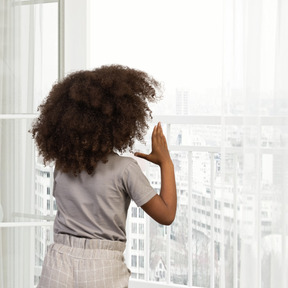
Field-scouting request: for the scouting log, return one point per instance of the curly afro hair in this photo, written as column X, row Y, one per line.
column 89, row 114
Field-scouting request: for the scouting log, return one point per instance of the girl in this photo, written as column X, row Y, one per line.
column 87, row 118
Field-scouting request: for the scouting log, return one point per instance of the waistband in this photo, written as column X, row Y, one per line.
column 88, row 248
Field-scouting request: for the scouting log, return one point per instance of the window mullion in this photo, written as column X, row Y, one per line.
column 212, row 251
column 235, row 217
column 61, row 39
column 25, row 224
column 190, row 254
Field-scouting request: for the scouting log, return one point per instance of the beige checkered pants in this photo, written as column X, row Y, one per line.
column 73, row 262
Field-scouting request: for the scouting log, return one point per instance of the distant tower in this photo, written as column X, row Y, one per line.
column 182, row 102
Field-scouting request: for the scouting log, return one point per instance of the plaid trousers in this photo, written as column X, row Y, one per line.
column 73, row 262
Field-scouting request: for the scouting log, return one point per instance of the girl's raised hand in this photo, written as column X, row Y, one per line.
column 162, row 207
column 160, row 153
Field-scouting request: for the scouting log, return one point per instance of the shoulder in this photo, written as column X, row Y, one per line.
column 126, row 166
column 124, row 161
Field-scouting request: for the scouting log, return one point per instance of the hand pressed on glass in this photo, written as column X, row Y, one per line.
column 159, row 153
column 162, row 208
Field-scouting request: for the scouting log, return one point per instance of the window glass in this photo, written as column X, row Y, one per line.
column 134, row 261
column 141, row 244
column 134, row 212
column 141, row 261
column 141, row 213
column 134, row 228
column 141, row 228
column 134, row 244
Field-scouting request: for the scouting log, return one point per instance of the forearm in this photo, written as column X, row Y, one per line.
column 162, row 208
column 168, row 189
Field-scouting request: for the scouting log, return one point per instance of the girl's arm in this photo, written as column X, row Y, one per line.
column 162, row 208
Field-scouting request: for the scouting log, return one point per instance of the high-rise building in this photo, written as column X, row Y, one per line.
column 45, row 209
column 182, row 102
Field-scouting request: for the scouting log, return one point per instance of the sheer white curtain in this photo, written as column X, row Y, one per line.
column 17, row 89
column 21, row 87
column 231, row 57
column 255, row 88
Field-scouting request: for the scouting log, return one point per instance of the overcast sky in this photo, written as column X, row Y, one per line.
column 178, row 42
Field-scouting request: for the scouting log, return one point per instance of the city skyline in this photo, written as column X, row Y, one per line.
column 150, row 260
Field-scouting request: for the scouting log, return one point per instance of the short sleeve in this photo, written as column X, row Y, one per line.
column 136, row 184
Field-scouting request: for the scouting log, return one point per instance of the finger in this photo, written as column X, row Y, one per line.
column 158, row 130
column 161, row 134
column 155, row 135
column 154, row 132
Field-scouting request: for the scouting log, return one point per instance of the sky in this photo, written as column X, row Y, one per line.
column 178, row 42
column 205, row 46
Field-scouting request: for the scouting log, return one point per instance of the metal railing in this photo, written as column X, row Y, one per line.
column 212, row 150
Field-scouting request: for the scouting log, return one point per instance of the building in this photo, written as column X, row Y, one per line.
column 45, row 209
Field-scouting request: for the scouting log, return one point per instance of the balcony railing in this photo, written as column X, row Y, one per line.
column 215, row 228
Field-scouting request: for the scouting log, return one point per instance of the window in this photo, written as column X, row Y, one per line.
column 141, row 244
column 141, row 213
column 224, row 113
column 141, row 276
column 134, row 244
column 134, row 227
column 141, row 261
column 134, row 212
column 141, row 228
column 134, row 261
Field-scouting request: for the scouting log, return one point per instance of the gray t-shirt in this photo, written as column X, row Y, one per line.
column 95, row 206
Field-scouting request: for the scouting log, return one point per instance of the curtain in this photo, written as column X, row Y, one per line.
column 24, row 35
column 255, row 89
column 16, row 86
column 224, row 59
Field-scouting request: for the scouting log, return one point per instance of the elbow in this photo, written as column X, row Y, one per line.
column 168, row 220
column 168, row 223
column 169, row 216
